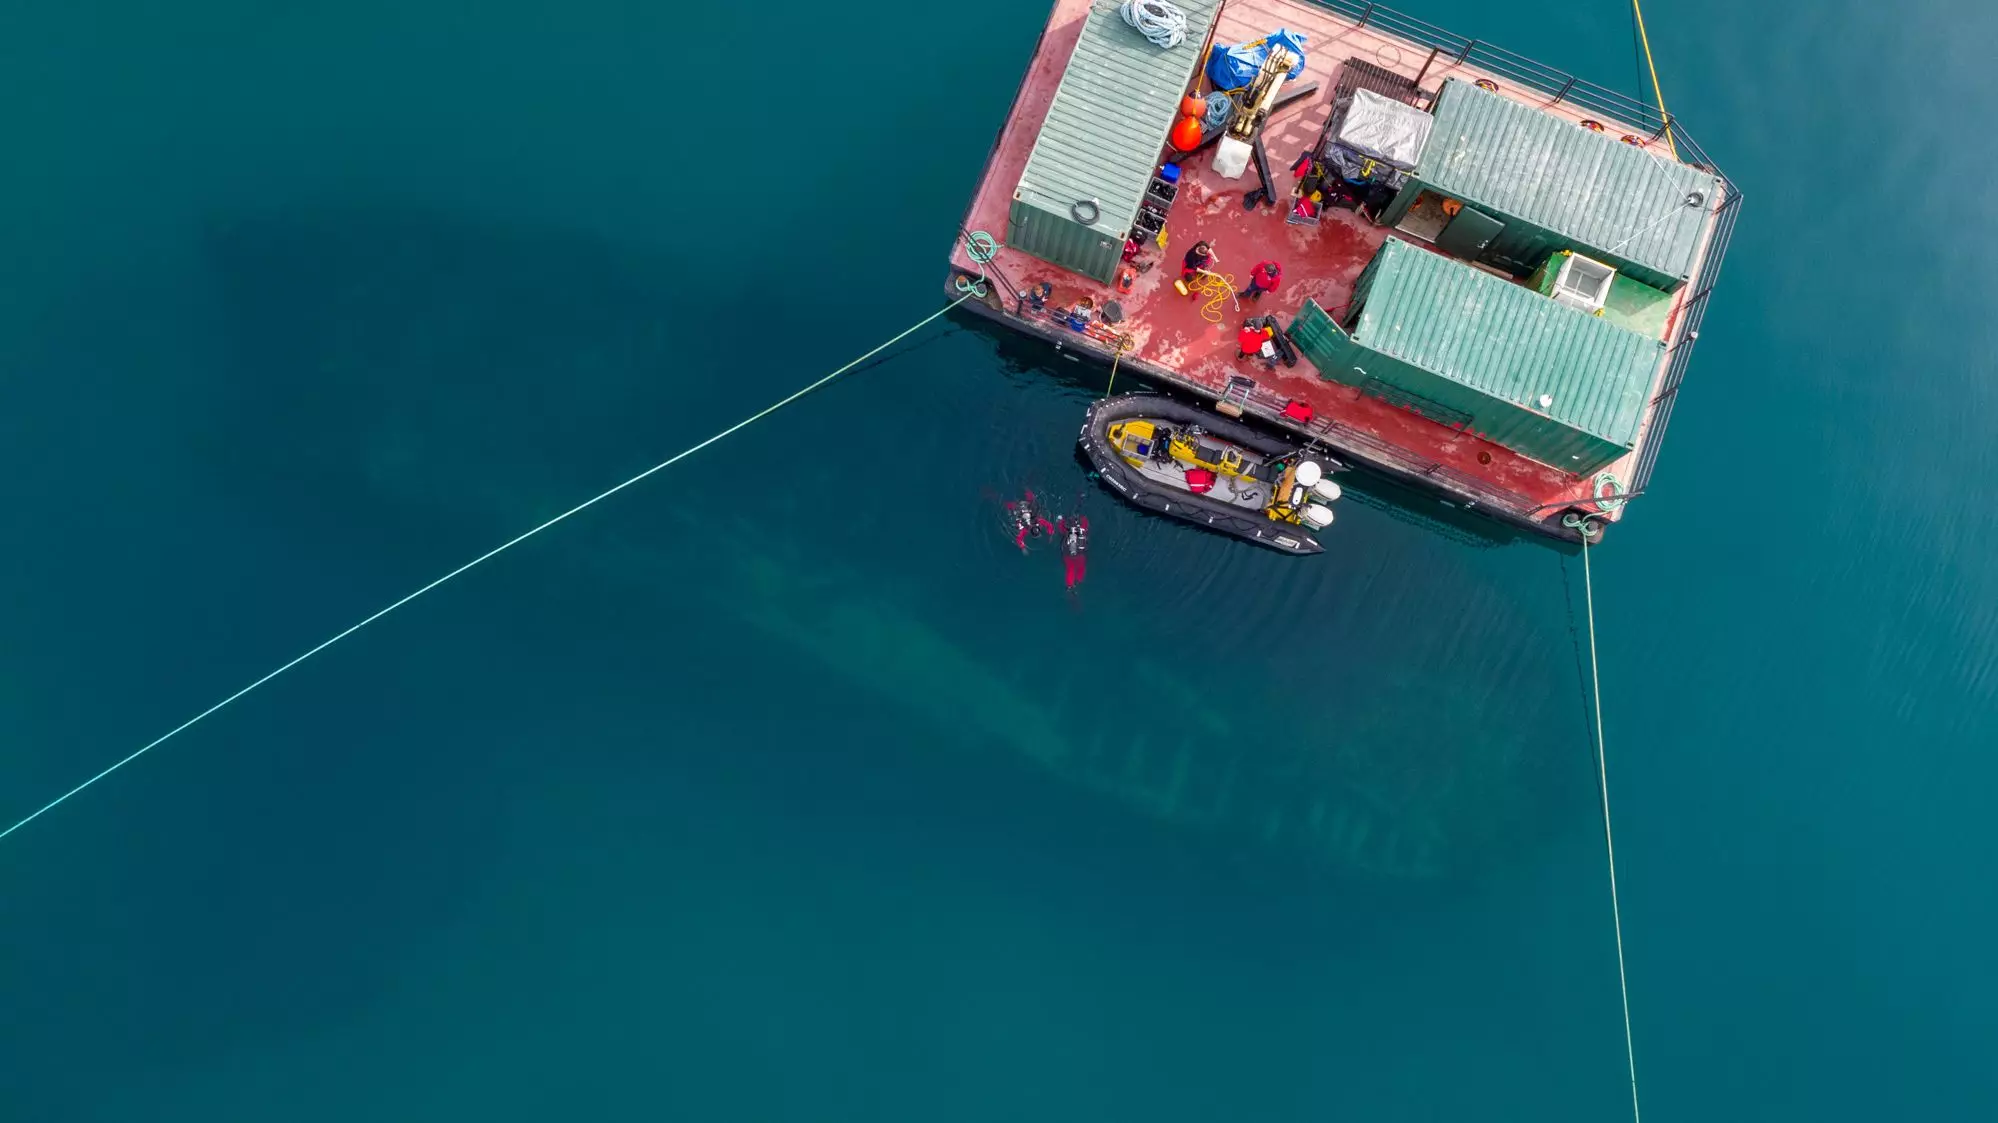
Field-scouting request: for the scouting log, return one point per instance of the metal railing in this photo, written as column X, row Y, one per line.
column 1559, row 85
column 1475, row 489
column 1270, row 404
column 1682, row 345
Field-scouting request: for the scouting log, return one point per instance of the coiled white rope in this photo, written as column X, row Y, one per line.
column 487, row 556
column 1157, row 20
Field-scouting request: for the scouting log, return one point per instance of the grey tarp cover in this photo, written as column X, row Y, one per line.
column 1384, row 128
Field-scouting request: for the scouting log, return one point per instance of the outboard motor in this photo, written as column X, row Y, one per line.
column 1309, row 476
column 1311, row 481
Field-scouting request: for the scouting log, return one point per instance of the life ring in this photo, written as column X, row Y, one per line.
column 1591, row 124
column 1633, row 140
column 1488, row 84
column 1085, row 211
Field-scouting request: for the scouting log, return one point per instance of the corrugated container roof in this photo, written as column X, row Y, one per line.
column 1111, row 112
column 1498, row 154
column 1506, row 341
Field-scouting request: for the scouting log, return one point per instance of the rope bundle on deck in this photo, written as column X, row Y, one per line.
column 1157, row 20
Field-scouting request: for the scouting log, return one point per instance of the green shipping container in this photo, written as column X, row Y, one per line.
column 1102, row 138
column 1322, row 340
column 1469, row 349
column 1555, row 185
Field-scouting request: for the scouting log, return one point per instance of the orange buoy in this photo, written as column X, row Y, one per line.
column 1190, row 106
column 1185, row 135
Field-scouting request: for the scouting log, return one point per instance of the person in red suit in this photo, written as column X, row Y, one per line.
column 1027, row 522
column 1074, row 533
column 1265, row 277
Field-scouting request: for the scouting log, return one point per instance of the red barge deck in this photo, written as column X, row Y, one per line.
column 1170, row 343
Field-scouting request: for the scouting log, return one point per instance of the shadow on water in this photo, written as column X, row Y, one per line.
column 481, row 378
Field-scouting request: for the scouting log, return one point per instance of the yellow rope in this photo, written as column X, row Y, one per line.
column 1114, row 360
column 1637, row 10
column 1217, row 287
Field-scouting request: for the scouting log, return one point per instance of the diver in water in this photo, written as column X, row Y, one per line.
column 1074, row 534
column 1027, row 522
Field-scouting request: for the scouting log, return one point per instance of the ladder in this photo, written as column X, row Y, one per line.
column 1236, row 396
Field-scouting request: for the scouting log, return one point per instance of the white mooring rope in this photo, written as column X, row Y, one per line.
column 487, row 556
column 1157, row 20
column 1609, row 839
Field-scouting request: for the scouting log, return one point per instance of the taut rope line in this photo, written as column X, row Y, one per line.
column 482, row 558
column 1609, row 839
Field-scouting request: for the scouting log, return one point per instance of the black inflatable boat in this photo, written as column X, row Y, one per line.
column 1179, row 460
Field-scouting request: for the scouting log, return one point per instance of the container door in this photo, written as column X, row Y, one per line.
column 1330, row 349
column 1468, row 234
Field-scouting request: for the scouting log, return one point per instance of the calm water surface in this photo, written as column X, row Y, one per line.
column 782, row 788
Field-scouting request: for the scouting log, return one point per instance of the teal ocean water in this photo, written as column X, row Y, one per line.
column 782, row 788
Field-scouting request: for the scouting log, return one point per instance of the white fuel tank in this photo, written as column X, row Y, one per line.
column 1231, row 158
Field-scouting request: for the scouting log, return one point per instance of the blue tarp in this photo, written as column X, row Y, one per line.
column 1231, row 68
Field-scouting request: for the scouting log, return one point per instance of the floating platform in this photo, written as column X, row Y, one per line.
column 1461, row 443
